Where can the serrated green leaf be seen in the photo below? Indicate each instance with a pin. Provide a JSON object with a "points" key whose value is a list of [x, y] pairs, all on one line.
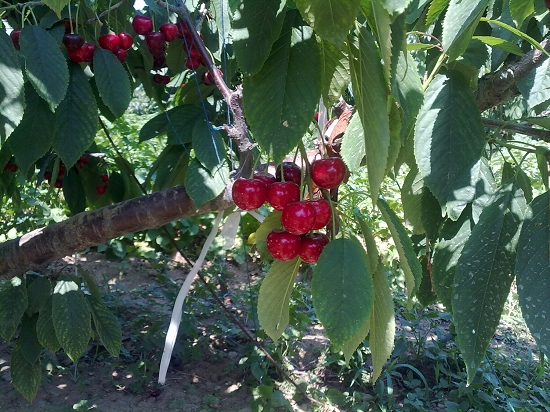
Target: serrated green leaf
{"points": [[274, 297], [74, 192], [535, 87], [502, 44], [370, 242], [518, 33], [44, 328], [255, 27], [32, 138], [170, 167], [351, 345], [449, 140], [371, 94], [542, 164], [435, 9], [459, 24], [107, 326], [177, 123], [395, 137], [395, 6], [201, 186], [543, 122], [90, 284], [13, 303], [331, 19], [38, 293], [12, 96], [518, 177], [26, 377], [76, 118], [430, 213], [45, 65], [353, 143], [71, 318], [176, 56], [56, 5], [382, 323], [342, 290], [27, 341], [533, 270], [484, 274], [425, 293], [408, 91], [486, 188], [208, 145], [411, 199], [112, 81], [280, 100], [407, 257], [335, 73], [270, 223], [383, 32]]}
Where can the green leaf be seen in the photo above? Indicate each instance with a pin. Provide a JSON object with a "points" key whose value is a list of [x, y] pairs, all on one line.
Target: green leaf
{"points": [[342, 290], [518, 33], [395, 6], [533, 270], [370, 242], [353, 143], [202, 186], [71, 318], [76, 118], [74, 192], [90, 284], [170, 167], [45, 65], [331, 19], [274, 297], [449, 141], [351, 345], [371, 94], [280, 100], [13, 303], [411, 199], [26, 377], [256, 26], [112, 81], [270, 223], [382, 323], [176, 56], [535, 87], [430, 213], [395, 137], [44, 328], [334, 72], [425, 293], [407, 256], [27, 340], [484, 275], [408, 91], [177, 123], [38, 293], [12, 97], [107, 326], [383, 32], [542, 164], [517, 176], [459, 24], [56, 5], [543, 122], [208, 145], [435, 9], [502, 44]]}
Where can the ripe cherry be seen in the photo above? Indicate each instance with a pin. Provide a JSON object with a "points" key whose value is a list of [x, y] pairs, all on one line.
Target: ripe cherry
{"points": [[291, 173], [267, 178], [283, 245], [298, 217], [83, 54], [14, 35], [13, 168], [159, 61], [328, 173], [323, 212], [121, 55], [109, 42], [311, 246], [142, 24], [104, 178], [84, 159], [160, 79], [280, 194], [89, 51], [249, 194], [73, 41], [192, 64], [170, 31], [58, 183], [155, 42], [101, 190], [126, 40]]}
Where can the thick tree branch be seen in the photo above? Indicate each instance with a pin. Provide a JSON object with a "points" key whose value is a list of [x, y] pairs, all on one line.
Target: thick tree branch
{"points": [[522, 128], [38, 248]]}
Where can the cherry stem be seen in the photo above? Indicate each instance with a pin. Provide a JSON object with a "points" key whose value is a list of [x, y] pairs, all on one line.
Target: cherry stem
{"points": [[305, 161]]}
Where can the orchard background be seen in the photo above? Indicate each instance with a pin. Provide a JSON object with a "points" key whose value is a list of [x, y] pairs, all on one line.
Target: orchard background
{"points": [[123, 131]]}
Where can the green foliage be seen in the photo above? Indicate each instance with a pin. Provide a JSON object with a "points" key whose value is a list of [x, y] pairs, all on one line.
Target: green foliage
{"points": [[12, 97]]}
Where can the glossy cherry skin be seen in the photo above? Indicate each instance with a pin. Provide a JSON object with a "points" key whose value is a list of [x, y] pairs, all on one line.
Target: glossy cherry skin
{"points": [[142, 24], [323, 213], [280, 194], [155, 41], [109, 42], [192, 64], [73, 41], [283, 245], [126, 40], [101, 190], [121, 55], [14, 35], [160, 79], [83, 54], [311, 246], [267, 179], [291, 172], [249, 194], [328, 173], [298, 217], [170, 31]]}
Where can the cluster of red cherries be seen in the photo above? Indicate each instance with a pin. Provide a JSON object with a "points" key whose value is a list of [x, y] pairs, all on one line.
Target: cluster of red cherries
{"points": [[300, 218], [12, 167]]}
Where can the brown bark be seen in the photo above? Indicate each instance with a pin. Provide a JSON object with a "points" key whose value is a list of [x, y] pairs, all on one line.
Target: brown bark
{"points": [[38, 248]]}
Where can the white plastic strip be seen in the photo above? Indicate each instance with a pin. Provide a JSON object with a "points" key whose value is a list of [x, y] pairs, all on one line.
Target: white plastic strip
{"points": [[230, 229], [178, 306], [257, 216]]}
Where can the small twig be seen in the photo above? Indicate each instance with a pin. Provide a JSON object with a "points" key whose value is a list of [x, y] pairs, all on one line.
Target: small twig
{"points": [[518, 127], [19, 6], [113, 7], [431, 36]]}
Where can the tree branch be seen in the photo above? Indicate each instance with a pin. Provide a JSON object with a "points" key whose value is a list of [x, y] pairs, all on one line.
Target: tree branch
{"points": [[522, 128]]}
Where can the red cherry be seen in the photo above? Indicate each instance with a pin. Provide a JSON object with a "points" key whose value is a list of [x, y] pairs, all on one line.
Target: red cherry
{"points": [[311, 246], [73, 41], [249, 194], [104, 178], [280, 194], [192, 64], [323, 213], [142, 24], [194, 53], [267, 179], [155, 41], [291, 172], [62, 168], [159, 61], [160, 79], [182, 30], [208, 78], [70, 25], [13, 168], [126, 40], [101, 190], [58, 183], [6, 166], [170, 31], [90, 50], [15, 38], [298, 217], [84, 159], [328, 173], [547, 2], [110, 42], [83, 54], [283, 245], [121, 55]]}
